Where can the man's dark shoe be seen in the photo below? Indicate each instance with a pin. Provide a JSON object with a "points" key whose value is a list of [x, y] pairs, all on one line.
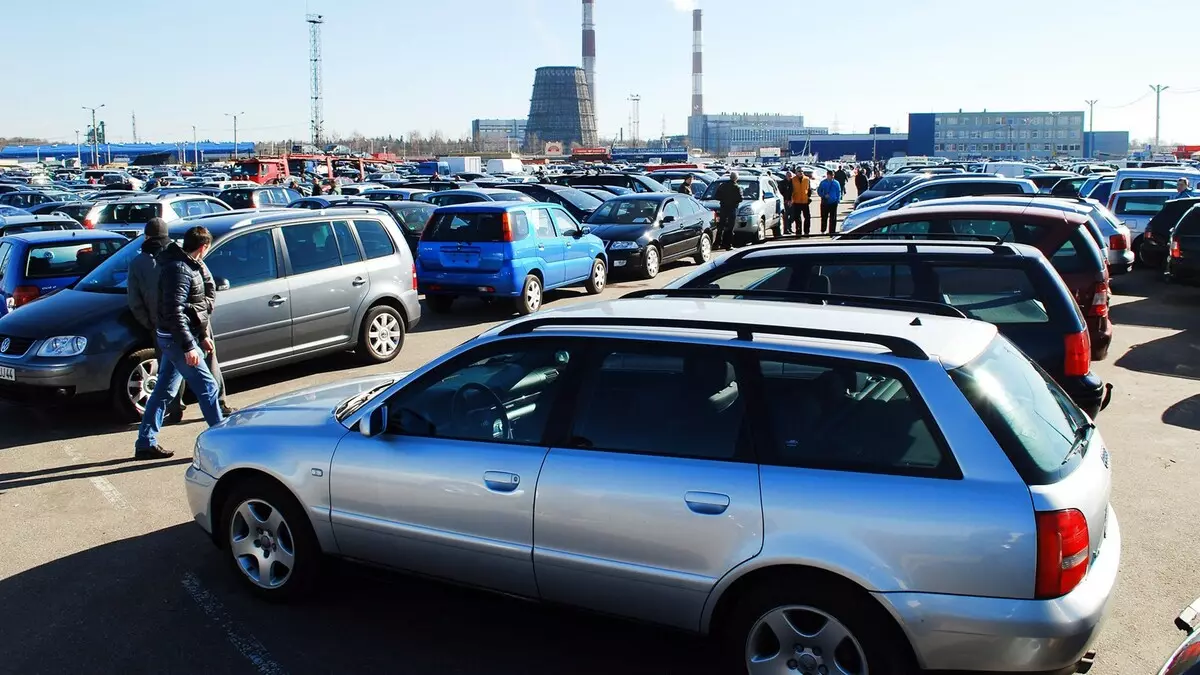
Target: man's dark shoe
{"points": [[153, 452], [227, 410]]}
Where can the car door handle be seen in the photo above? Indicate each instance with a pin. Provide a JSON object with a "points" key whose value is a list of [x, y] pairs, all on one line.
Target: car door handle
{"points": [[541, 247], [276, 301], [707, 503], [358, 281], [501, 481]]}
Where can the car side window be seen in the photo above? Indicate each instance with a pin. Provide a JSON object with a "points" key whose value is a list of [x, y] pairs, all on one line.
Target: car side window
{"points": [[542, 224], [868, 280], [695, 392], [925, 194], [671, 209], [180, 209], [566, 225], [496, 393], [815, 414], [245, 259], [759, 278], [375, 240], [768, 190], [311, 247], [5, 252], [1067, 259], [196, 207], [910, 227], [346, 243]]}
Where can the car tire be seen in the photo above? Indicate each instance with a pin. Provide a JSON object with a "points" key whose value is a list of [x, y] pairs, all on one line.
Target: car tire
{"points": [[260, 515], [651, 262], [599, 278], [873, 642], [381, 336], [761, 235], [440, 304], [703, 249], [139, 366], [530, 299], [1137, 251]]}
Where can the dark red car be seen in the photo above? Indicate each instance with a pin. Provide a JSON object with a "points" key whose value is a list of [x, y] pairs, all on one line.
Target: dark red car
{"points": [[1062, 236]]}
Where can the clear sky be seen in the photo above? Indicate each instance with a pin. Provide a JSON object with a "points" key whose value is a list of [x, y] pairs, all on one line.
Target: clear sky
{"points": [[393, 66]]}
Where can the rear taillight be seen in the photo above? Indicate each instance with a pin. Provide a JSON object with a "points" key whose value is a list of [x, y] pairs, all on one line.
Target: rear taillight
{"points": [[1175, 252], [88, 223], [414, 276], [506, 233], [1062, 552], [1097, 304], [1078, 361], [1118, 242], [25, 294], [1112, 199]]}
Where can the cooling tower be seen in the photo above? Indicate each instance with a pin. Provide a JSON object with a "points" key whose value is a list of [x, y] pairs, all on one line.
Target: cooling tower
{"points": [[560, 109]]}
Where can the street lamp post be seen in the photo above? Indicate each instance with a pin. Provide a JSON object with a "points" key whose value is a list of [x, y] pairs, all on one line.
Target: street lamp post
{"points": [[95, 135], [195, 149], [235, 117], [78, 150]]}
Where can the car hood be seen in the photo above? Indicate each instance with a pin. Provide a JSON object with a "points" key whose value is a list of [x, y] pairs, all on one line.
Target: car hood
{"points": [[309, 407], [619, 232], [715, 205], [868, 195], [66, 312]]}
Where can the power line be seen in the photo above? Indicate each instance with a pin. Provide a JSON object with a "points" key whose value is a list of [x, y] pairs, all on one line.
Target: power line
{"points": [[1139, 99]]}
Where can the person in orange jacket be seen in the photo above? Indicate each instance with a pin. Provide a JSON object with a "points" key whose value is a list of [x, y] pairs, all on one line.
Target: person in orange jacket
{"points": [[801, 196]]}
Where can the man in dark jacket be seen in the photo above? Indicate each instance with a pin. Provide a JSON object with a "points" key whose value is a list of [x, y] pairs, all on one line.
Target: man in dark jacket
{"points": [[143, 295], [785, 193], [861, 184], [841, 177], [181, 330], [686, 186], [729, 196]]}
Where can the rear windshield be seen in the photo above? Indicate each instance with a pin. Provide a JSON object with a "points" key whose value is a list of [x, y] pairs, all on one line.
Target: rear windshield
{"points": [[896, 182], [238, 199], [467, 227], [414, 218], [625, 212], [1031, 418], [68, 260], [129, 213], [1141, 206]]}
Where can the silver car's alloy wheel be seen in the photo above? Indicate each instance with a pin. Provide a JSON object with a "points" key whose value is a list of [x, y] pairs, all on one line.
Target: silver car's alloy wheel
{"points": [[761, 235], [384, 335], [142, 380], [533, 295], [599, 275], [705, 248], [651, 261], [800, 639], [261, 542]]}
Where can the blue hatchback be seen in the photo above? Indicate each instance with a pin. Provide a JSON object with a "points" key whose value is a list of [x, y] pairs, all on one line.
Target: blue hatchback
{"points": [[33, 264], [506, 249]]}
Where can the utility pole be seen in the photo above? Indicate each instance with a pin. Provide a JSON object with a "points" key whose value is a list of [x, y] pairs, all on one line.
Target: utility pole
{"points": [[1158, 90], [95, 135], [235, 116], [316, 96], [874, 142], [1089, 147], [78, 150]]}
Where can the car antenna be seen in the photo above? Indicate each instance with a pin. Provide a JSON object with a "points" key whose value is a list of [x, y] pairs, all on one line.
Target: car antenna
{"points": [[916, 322]]}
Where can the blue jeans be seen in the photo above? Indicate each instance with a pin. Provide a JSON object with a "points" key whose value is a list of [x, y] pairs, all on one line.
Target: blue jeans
{"points": [[172, 370]]}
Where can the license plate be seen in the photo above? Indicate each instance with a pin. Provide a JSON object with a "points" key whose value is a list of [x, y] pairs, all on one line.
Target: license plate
{"points": [[8, 374]]}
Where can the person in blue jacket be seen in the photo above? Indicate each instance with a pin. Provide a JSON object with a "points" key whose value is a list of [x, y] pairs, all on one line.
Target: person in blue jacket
{"points": [[830, 192]]}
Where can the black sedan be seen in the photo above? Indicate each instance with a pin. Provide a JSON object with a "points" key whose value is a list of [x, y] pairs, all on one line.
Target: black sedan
{"points": [[578, 203], [641, 232]]}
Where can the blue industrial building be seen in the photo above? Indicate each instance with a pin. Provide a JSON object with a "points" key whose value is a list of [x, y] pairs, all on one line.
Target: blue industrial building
{"points": [[1106, 144], [863, 147], [149, 153]]}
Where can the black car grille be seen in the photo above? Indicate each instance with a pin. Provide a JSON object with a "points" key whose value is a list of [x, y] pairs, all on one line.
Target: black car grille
{"points": [[14, 346]]}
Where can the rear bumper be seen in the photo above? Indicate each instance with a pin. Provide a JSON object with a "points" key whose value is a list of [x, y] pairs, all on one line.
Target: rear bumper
{"points": [[1120, 262], [1153, 253], [482, 284], [996, 635], [1183, 269], [1100, 331], [1089, 393]]}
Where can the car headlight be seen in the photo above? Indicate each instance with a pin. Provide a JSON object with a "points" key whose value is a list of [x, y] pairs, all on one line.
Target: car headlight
{"points": [[65, 345], [624, 245], [746, 210]]}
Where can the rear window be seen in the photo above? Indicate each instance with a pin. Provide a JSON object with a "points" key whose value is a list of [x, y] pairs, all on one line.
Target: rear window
{"points": [[413, 219], [68, 260], [996, 295], [1031, 418], [129, 213], [375, 240], [1140, 206], [468, 227], [238, 199]]}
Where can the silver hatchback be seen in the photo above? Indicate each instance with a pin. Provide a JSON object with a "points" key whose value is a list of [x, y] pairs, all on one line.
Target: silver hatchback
{"points": [[822, 489]]}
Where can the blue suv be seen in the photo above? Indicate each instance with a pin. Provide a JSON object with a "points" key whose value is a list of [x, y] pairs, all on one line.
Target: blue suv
{"points": [[506, 249], [34, 264]]}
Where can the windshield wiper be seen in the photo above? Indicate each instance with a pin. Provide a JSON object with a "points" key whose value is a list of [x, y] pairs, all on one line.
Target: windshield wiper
{"points": [[350, 405], [1083, 434]]}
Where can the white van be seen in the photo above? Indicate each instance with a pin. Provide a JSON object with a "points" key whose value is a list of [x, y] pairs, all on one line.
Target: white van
{"points": [[896, 163], [1159, 178], [1012, 169]]}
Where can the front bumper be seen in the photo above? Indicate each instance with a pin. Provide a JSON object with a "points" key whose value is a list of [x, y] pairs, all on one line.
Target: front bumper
{"points": [[971, 634], [620, 259], [39, 380], [199, 486]]}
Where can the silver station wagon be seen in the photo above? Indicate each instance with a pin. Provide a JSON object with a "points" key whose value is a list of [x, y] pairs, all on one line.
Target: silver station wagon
{"points": [[822, 489]]}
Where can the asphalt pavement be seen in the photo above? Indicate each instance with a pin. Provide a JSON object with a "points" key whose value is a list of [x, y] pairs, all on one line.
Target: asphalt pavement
{"points": [[101, 569]]}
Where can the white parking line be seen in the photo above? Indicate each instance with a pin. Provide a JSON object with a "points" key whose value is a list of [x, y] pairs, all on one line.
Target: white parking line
{"points": [[242, 640], [106, 488]]}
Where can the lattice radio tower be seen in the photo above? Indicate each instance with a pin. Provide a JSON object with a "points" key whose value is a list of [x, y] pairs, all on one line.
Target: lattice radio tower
{"points": [[316, 115]]}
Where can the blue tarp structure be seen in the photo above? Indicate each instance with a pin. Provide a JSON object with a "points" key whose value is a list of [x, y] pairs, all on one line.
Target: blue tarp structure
{"points": [[209, 150]]}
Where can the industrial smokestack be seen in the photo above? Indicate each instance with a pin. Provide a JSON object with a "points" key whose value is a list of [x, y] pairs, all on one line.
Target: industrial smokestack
{"points": [[697, 67], [589, 50]]}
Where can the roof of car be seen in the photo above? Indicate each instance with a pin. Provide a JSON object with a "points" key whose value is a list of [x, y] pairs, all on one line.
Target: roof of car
{"points": [[953, 341], [970, 210], [489, 207], [9, 221], [1145, 192], [44, 236], [843, 247], [646, 196], [481, 191], [1028, 200]]}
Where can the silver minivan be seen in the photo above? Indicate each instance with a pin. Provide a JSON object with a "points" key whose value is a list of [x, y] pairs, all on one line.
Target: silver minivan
{"points": [[291, 285]]}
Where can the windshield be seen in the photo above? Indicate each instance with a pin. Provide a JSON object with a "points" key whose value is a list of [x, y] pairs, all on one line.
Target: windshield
{"points": [[238, 199], [113, 274], [413, 218], [888, 183], [68, 259], [579, 199], [749, 189], [625, 212], [1032, 419], [129, 213]]}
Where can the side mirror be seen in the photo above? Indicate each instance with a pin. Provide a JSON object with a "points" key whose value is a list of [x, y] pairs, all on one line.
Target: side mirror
{"points": [[668, 219], [222, 284], [577, 233], [375, 423], [585, 230]]}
